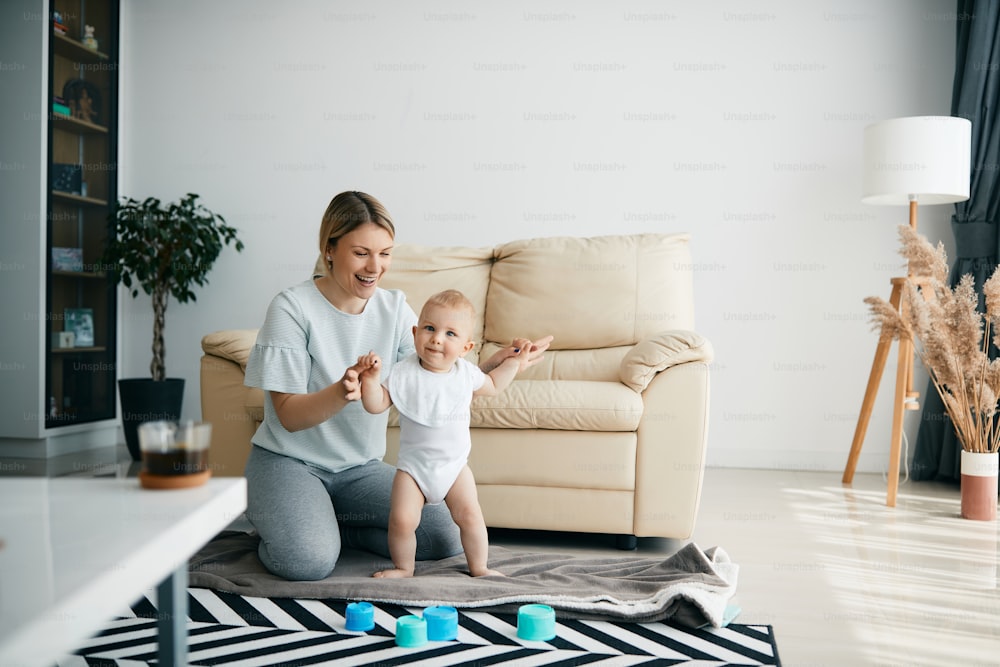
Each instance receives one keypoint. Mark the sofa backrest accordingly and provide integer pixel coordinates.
(598, 296)
(597, 292)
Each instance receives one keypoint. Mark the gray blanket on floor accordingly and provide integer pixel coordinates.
(691, 587)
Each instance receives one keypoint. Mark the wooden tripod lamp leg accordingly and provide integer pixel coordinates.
(871, 391)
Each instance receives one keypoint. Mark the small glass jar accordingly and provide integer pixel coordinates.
(174, 453)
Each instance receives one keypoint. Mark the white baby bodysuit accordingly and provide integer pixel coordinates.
(434, 441)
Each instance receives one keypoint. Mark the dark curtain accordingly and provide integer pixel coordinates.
(974, 96)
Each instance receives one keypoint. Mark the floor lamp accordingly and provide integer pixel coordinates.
(925, 160)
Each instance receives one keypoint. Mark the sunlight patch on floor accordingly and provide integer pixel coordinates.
(915, 584)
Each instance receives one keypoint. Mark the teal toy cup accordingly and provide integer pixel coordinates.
(536, 622)
(411, 631)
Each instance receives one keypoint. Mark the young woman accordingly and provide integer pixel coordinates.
(315, 476)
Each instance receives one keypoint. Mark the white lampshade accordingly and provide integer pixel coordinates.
(921, 158)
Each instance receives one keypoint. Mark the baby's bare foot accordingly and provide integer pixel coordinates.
(486, 572)
(395, 573)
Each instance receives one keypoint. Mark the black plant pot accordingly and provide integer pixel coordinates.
(144, 400)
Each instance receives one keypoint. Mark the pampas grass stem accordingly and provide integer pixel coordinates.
(951, 337)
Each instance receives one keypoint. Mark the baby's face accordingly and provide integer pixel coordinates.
(441, 336)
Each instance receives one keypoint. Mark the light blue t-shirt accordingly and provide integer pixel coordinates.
(305, 345)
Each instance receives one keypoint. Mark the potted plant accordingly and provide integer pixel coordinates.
(166, 250)
(952, 338)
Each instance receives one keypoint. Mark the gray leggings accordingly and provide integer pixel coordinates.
(305, 514)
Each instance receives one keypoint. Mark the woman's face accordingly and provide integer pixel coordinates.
(359, 258)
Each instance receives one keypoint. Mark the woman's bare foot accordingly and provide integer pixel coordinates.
(395, 573)
(486, 572)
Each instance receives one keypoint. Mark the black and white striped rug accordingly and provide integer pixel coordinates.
(239, 631)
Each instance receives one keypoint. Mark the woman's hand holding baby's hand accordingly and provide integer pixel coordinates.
(523, 355)
(369, 366)
(529, 353)
(351, 384)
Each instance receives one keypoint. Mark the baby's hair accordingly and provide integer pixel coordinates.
(452, 298)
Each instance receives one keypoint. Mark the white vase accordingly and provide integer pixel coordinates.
(979, 485)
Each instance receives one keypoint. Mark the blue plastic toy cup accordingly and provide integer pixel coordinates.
(360, 617)
(411, 631)
(536, 622)
(442, 623)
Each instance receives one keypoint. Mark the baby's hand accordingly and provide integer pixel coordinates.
(369, 366)
(523, 356)
(535, 350)
(526, 357)
(374, 398)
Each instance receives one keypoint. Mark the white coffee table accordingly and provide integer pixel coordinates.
(76, 552)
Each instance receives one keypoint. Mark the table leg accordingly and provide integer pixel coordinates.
(172, 608)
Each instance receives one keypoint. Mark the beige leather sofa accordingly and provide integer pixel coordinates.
(606, 435)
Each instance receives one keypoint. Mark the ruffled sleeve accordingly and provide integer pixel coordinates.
(279, 360)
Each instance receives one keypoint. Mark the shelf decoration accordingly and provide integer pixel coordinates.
(62, 340)
(83, 99)
(88, 38)
(67, 259)
(81, 322)
(67, 177)
(59, 106)
(57, 24)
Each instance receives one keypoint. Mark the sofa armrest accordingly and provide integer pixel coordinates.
(233, 409)
(670, 451)
(230, 344)
(658, 353)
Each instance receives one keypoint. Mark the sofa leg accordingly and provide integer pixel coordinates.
(626, 542)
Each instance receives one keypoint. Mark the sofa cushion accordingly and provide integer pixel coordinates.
(590, 293)
(601, 364)
(562, 405)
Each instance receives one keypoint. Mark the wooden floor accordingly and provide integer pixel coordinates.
(843, 579)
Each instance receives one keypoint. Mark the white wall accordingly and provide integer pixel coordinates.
(477, 123)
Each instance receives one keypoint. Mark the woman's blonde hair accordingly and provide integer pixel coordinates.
(346, 212)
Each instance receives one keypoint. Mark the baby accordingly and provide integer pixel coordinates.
(433, 390)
